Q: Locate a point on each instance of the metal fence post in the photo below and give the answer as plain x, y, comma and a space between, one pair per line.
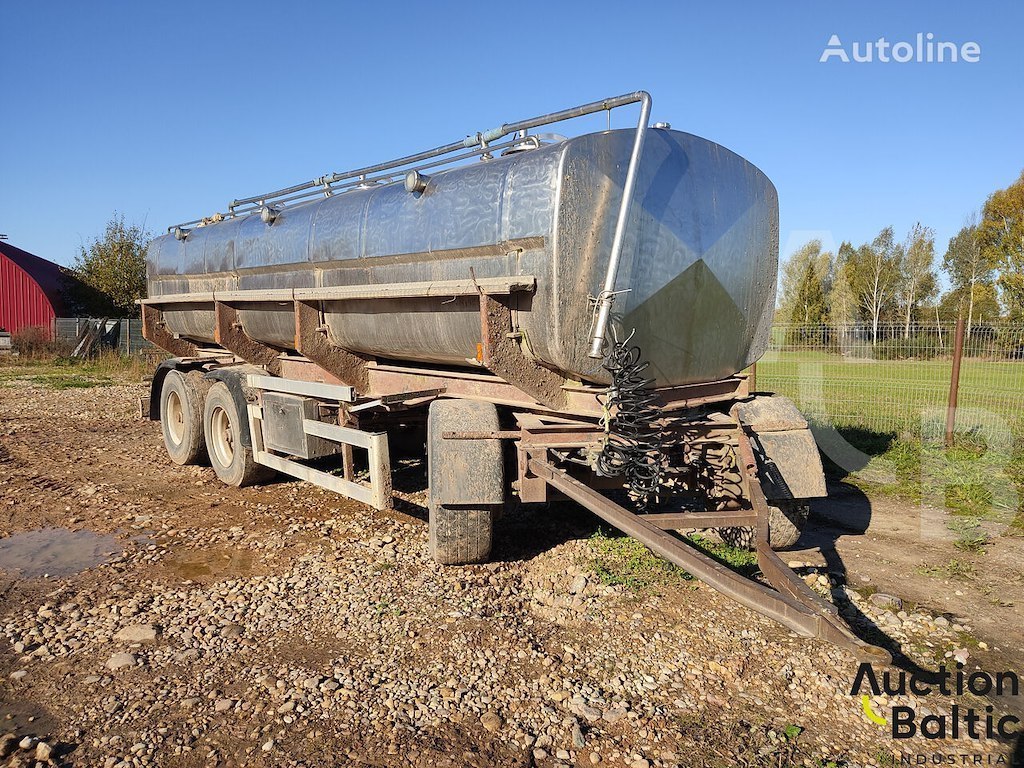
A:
954, 381
128, 336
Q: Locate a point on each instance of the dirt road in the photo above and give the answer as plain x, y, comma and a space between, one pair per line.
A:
283, 625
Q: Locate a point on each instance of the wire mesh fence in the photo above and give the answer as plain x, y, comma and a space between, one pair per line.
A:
894, 377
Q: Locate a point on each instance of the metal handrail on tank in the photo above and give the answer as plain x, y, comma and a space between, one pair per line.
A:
360, 181
607, 295
479, 143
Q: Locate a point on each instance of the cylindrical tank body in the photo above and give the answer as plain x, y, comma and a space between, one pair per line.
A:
698, 269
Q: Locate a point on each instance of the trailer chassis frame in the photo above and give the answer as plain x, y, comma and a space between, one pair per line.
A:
555, 415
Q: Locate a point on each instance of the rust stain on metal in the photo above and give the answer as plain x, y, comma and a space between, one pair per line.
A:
502, 356
155, 330
229, 334
312, 342
500, 434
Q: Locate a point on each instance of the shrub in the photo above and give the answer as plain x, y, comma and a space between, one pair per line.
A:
36, 341
810, 337
919, 347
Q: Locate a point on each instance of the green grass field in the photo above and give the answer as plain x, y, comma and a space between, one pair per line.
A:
892, 413
898, 395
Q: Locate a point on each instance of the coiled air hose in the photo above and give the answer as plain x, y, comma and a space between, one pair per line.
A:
633, 445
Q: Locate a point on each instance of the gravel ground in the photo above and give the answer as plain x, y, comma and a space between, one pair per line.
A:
286, 626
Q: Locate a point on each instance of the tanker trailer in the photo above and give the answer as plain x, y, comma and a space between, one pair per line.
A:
559, 315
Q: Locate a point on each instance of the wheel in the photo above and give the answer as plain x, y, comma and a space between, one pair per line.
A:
467, 482
785, 523
181, 416
232, 461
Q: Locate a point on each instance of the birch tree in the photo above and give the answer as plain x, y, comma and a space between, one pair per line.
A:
918, 275
971, 270
874, 272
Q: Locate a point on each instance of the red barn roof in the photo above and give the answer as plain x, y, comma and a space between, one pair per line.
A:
30, 289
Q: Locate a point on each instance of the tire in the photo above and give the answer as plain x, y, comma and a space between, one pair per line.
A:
467, 482
785, 524
233, 462
182, 399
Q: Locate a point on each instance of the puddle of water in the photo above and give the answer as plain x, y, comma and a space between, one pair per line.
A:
55, 552
208, 564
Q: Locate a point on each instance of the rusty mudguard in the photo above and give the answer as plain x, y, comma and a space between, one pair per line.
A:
787, 454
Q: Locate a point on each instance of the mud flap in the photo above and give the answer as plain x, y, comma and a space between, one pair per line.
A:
788, 459
464, 472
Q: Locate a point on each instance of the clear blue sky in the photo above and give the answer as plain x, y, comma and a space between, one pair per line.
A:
166, 111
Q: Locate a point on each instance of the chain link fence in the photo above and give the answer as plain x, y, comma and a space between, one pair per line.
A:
894, 378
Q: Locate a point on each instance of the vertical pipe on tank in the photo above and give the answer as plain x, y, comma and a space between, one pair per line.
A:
607, 295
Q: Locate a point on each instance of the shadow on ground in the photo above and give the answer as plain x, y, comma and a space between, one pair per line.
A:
848, 512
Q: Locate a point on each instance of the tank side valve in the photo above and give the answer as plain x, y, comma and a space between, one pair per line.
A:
269, 214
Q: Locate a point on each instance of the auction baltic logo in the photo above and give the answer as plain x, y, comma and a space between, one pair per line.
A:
925, 49
904, 720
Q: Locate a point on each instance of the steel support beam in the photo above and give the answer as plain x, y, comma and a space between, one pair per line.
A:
758, 598
678, 521
229, 334
830, 626
312, 341
155, 330
808, 620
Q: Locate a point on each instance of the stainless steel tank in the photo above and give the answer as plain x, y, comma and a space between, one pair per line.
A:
698, 264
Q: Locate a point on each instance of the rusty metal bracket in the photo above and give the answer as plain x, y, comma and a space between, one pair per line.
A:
311, 341
501, 434
790, 606
771, 565
229, 334
397, 401
678, 521
830, 626
154, 329
503, 357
